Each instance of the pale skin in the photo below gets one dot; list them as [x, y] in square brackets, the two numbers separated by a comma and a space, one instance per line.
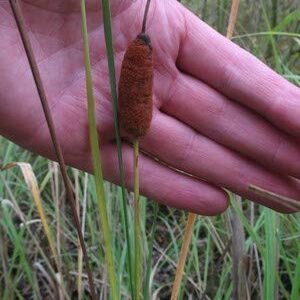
[220, 114]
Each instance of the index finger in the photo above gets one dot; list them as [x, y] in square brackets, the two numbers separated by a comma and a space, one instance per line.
[209, 56]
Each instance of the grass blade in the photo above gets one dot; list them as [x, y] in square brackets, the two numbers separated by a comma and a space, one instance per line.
[113, 87]
[96, 160]
[16, 237]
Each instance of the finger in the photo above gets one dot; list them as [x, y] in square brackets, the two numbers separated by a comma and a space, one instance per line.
[183, 148]
[160, 183]
[232, 125]
[236, 73]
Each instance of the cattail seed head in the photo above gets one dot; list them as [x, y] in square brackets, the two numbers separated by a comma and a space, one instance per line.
[135, 87]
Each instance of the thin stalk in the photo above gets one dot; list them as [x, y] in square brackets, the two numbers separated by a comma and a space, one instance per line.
[137, 229]
[58, 152]
[113, 86]
[282, 200]
[264, 33]
[239, 278]
[145, 16]
[192, 217]
[232, 18]
[274, 13]
[183, 254]
[79, 259]
[96, 160]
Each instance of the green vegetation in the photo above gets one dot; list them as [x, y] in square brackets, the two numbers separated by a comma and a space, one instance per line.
[270, 258]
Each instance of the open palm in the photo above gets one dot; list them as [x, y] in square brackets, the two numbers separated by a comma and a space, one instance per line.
[220, 114]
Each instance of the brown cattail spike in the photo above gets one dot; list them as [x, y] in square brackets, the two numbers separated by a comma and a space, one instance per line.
[135, 87]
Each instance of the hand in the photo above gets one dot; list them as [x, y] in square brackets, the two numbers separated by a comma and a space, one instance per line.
[220, 114]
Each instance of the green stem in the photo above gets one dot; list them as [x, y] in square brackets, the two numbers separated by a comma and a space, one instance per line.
[96, 159]
[137, 231]
[112, 76]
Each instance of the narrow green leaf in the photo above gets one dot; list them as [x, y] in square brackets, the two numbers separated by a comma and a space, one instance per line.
[96, 159]
[113, 87]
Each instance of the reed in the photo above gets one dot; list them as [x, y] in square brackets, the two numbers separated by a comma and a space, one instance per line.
[183, 255]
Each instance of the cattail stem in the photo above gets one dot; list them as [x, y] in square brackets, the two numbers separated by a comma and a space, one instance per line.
[135, 107]
[58, 151]
[183, 254]
[137, 229]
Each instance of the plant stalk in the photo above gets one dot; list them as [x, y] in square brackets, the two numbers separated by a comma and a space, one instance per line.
[282, 200]
[232, 18]
[113, 86]
[96, 160]
[183, 254]
[192, 217]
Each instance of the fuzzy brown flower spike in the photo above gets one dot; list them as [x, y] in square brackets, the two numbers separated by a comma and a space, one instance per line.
[135, 87]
